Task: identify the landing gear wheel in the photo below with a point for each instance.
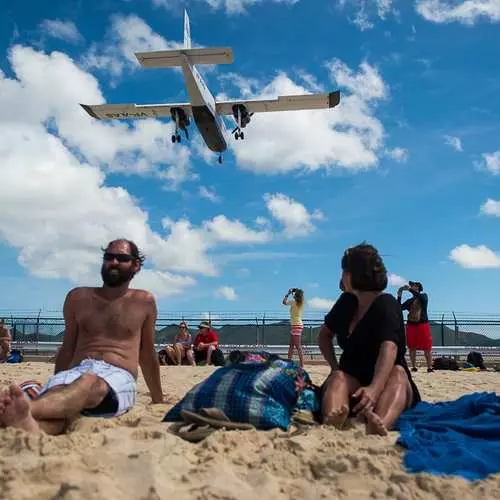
(236, 136)
(220, 159)
(178, 138)
(174, 139)
(242, 135)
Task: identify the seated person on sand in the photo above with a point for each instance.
(109, 331)
(372, 378)
(182, 349)
(5, 340)
(206, 346)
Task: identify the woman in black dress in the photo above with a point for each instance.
(372, 379)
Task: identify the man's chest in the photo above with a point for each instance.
(118, 316)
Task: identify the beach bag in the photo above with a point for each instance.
(445, 364)
(262, 394)
(16, 356)
(476, 359)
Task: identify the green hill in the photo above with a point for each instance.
(278, 333)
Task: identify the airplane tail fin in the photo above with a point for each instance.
(176, 58)
(187, 31)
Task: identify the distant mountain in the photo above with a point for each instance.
(278, 333)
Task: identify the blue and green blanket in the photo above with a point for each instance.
(264, 391)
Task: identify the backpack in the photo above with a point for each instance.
(443, 363)
(476, 359)
(16, 356)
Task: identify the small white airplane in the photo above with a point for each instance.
(203, 108)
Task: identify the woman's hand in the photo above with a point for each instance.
(368, 398)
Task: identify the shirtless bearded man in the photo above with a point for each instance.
(109, 333)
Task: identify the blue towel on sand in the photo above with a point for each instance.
(459, 437)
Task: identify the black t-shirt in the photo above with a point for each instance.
(382, 322)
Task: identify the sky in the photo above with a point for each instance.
(409, 161)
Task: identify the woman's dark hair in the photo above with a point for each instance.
(368, 272)
(298, 295)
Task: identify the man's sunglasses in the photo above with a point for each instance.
(120, 257)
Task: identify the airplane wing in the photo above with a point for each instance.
(283, 103)
(132, 111)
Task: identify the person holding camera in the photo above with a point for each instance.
(418, 330)
(296, 326)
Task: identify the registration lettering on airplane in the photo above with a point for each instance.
(125, 114)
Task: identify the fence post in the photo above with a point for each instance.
(442, 330)
(37, 334)
(264, 329)
(456, 327)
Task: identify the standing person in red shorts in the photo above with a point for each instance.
(418, 330)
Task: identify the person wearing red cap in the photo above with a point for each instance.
(418, 330)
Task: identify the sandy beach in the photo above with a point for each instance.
(135, 457)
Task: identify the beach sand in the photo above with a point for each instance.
(135, 457)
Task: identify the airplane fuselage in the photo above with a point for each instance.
(208, 121)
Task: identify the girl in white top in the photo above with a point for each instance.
(296, 326)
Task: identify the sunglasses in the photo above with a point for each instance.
(120, 257)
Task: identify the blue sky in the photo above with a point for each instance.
(408, 161)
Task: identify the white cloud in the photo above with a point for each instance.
(296, 219)
(209, 194)
(162, 283)
(491, 207)
(365, 11)
(490, 162)
(400, 155)
(234, 231)
(480, 257)
(395, 280)
(454, 142)
(226, 292)
(320, 303)
(465, 12)
(49, 87)
(127, 35)
(233, 6)
(57, 210)
(65, 30)
(348, 136)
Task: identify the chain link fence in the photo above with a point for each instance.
(448, 329)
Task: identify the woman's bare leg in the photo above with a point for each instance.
(335, 404)
(396, 397)
(290, 347)
(178, 350)
(296, 341)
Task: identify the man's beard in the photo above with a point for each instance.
(114, 277)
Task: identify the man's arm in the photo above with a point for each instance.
(325, 342)
(64, 357)
(148, 359)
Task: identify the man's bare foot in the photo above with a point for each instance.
(337, 418)
(15, 410)
(374, 424)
